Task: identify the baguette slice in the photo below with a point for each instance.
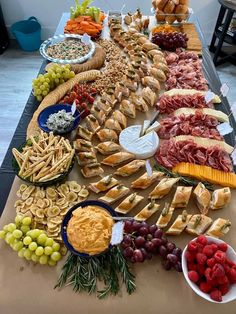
(129, 203)
(163, 188)
(201, 141)
(179, 224)
(147, 211)
(117, 159)
(219, 115)
(130, 168)
(145, 181)
(198, 224)
(220, 198)
(165, 216)
(175, 91)
(104, 184)
(203, 197)
(108, 148)
(92, 170)
(219, 228)
(182, 196)
(115, 194)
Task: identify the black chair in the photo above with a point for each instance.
(222, 33)
(4, 39)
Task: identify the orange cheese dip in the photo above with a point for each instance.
(89, 229)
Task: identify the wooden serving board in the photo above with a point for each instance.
(194, 42)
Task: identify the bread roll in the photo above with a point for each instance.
(160, 16)
(170, 18)
(161, 4)
(184, 2)
(169, 7)
(181, 12)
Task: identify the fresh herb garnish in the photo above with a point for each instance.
(83, 274)
(183, 180)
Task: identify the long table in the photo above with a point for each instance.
(27, 288)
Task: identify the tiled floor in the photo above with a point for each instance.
(18, 68)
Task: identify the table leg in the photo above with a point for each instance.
(218, 23)
(222, 35)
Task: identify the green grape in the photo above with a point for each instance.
(48, 250)
(9, 238)
(41, 80)
(40, 75)
(49, 242)
(35, 233)
(2, 234)
(39, 251)
(18, 246)
(5, 228)
(62, 81)
(24, 229)
(43, 260)
(26, 221)
(33, 246)
(27, 240)
(18, 219)
(56, 256)
(54, 75)
(42, 239)
(39, 98)
(45, 93)
(11, 227)
(57, 81)
(63, 250)
(21, 252)
(56, 247)
(51, 262)
(27, 254)
(17, 233)
(42, 87)
(58, 75)
(48, 80)
(34, 258)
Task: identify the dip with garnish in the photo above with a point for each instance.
(89, 229)
(60, 121)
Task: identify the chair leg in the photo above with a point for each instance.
(222, 35)
(218, 23)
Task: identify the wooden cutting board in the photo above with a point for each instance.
(194, 42)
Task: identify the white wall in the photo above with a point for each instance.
(49, 12)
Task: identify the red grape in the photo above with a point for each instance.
(172, 258)
(136, 225)
(128, 252)
(152, 229)
(156, 242)
(170, 247)
(143, 231)
(149, 236)
(166, 264)
(158, 233)
(127, 239)
(138, 256)
(177, 251)
(149, 246)
(139, 241)
(170, 41)
(162, 251)
(178, 267)
(144, 252)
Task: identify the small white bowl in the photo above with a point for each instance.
(231, 295)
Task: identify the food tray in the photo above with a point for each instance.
(58, 38)
(179, 18)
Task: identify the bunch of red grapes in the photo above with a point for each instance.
(142, 241)
(170, 41)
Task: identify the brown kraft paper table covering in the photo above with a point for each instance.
(26, 288)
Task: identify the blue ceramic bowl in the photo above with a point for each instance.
(44, 115)
(67, 217)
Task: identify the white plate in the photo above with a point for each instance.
(59, 38)
(231, 295)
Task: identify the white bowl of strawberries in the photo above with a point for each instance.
(209, 267)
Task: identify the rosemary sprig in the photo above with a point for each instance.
(83, 274)
(183, 180)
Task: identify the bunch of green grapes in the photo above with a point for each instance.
(44, 83)
(31, 244)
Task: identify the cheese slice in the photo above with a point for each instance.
(219, 115)
(154, 127)
(183, 92)
(201, 141)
